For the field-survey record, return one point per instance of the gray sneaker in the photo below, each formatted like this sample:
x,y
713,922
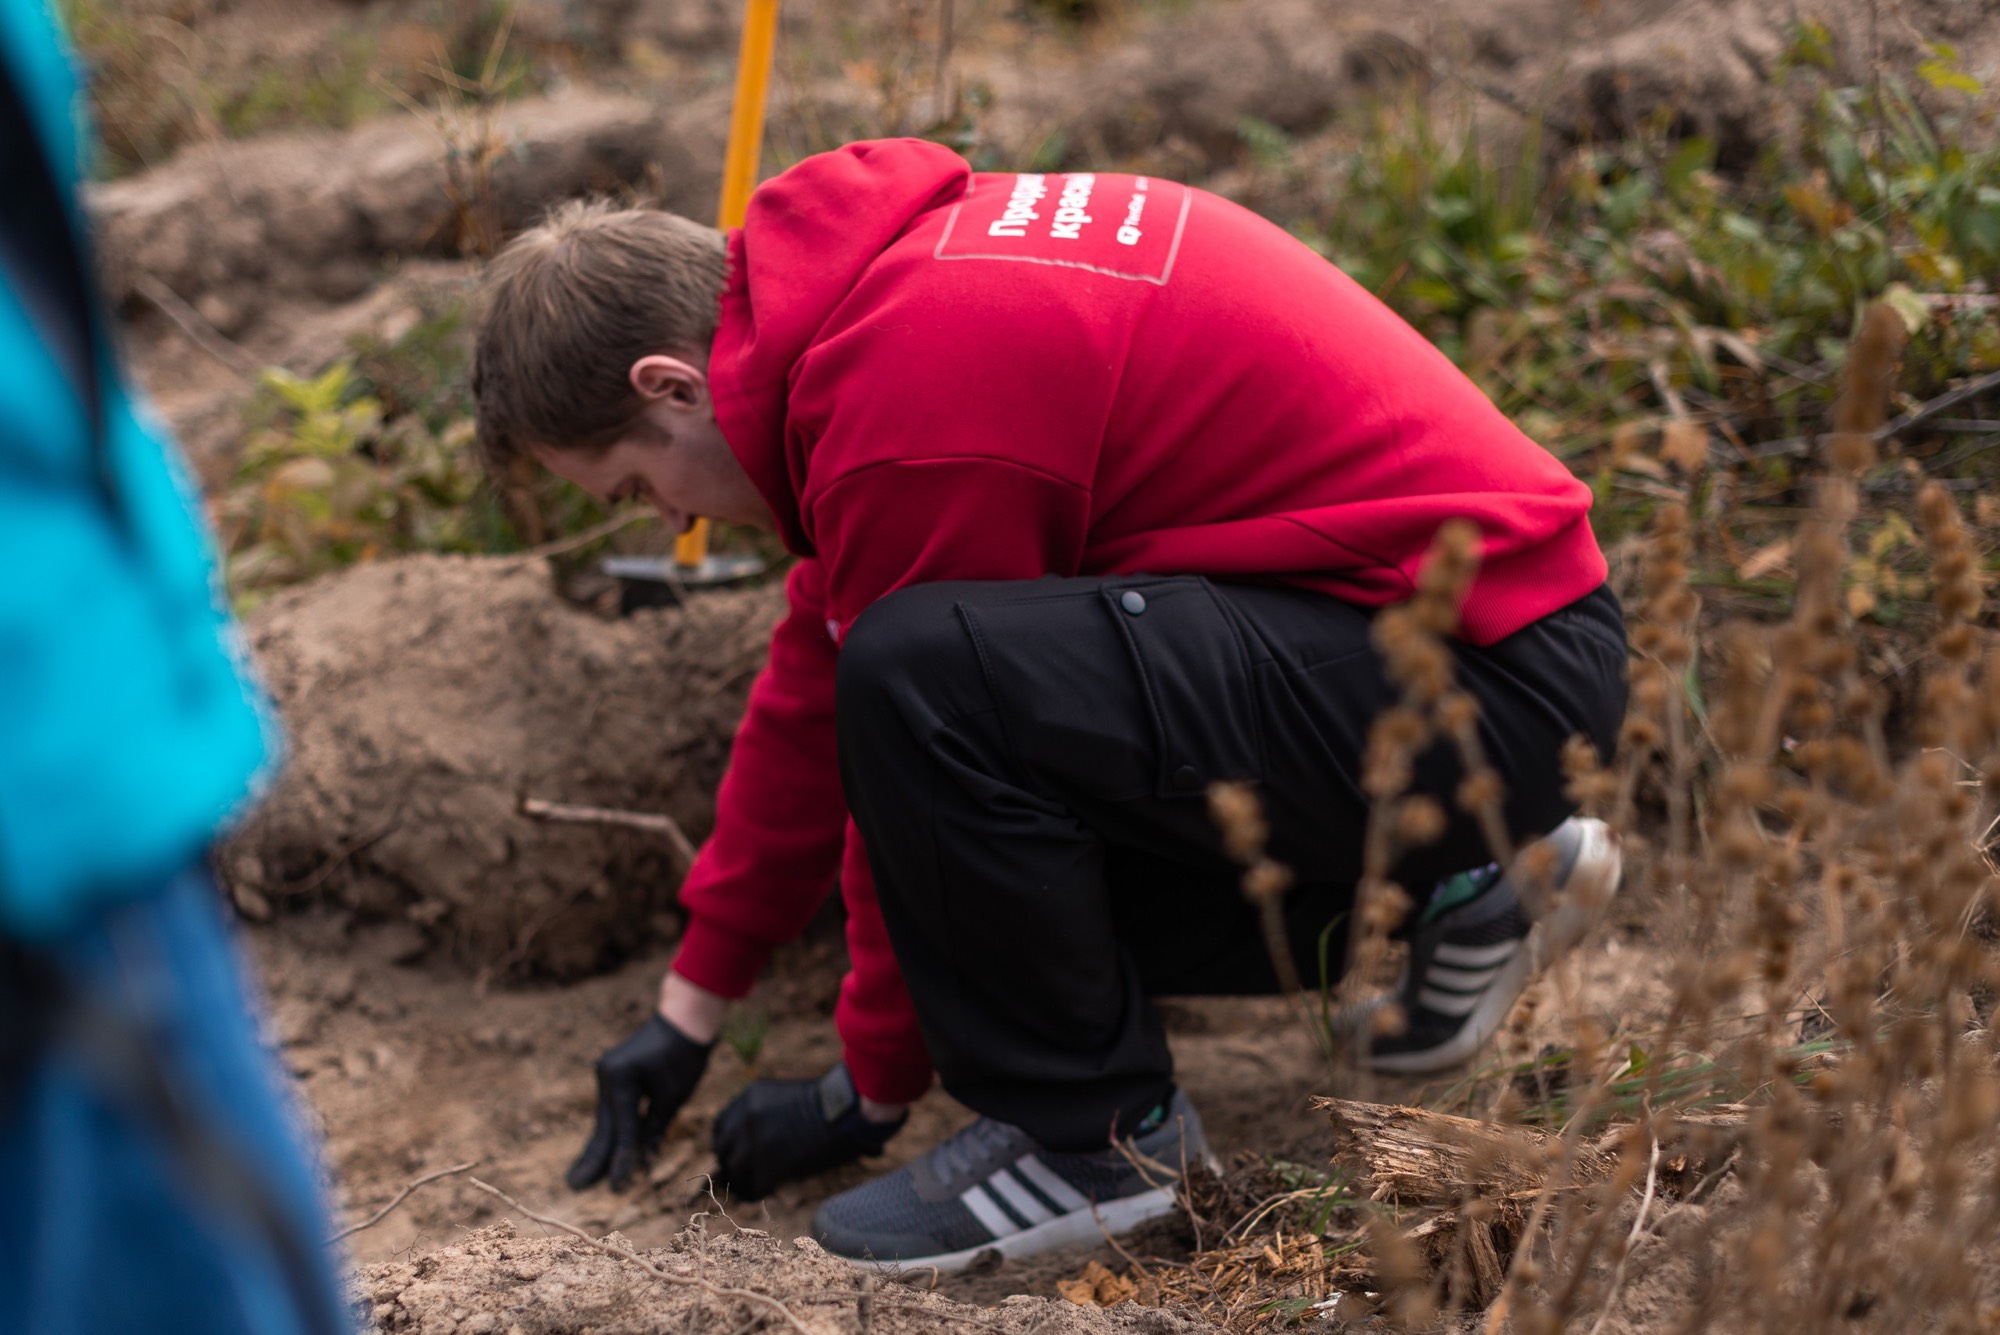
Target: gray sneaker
x,y
992,1189
1479,945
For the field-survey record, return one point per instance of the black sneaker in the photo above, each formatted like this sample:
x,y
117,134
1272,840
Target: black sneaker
x,y
1477,948
991,1188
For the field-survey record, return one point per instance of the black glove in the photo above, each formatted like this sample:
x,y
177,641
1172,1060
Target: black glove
x,y
777,1131
660,1065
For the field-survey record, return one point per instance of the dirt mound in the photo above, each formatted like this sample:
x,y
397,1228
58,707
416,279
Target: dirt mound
x,y
496,1280
236,228
230,226
1186,92
1192,83
425,697
1713,67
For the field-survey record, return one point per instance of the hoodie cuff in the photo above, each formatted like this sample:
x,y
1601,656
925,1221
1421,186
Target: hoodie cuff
x,y
887,1077
723,961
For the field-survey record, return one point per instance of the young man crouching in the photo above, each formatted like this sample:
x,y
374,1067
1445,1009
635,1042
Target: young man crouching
x,y
1096,482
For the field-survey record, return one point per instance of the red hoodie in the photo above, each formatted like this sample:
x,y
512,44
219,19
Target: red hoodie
x,y
933,374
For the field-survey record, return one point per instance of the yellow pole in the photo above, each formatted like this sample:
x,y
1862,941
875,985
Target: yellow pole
x,y
739,172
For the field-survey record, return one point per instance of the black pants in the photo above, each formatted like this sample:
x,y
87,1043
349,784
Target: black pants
x,y
1028,764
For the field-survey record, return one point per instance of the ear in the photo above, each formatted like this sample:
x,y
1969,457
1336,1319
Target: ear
x,y
659,376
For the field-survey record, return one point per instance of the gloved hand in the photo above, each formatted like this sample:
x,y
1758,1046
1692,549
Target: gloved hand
x,y
777,1131
658,1065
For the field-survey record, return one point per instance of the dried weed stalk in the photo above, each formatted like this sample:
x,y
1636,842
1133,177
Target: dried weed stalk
x,y
1804,1135
1413,639
1240,816
463,119
1837,881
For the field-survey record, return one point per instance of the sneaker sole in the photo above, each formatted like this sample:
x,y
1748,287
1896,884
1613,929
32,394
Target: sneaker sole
x,y
1594,880
1112,1217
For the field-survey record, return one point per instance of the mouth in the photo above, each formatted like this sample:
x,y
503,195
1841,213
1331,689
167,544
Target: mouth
x,y
637,489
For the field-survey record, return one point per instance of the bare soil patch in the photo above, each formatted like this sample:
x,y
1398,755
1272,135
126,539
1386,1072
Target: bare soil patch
x,y
425,698
410,1067
505,1279
243,228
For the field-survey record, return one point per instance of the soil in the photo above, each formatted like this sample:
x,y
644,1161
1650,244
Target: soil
x,y
409,1070
408,1067
424,698
443,970
500,1279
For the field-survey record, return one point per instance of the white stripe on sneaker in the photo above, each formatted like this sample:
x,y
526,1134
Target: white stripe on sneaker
x,y
1460,980
1475,957
988,1212
1065,1230
1448,1003
1026,1203
1065,1197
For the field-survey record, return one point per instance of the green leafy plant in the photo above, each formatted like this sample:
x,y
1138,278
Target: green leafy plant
x,y
329,481
1610,295
371,457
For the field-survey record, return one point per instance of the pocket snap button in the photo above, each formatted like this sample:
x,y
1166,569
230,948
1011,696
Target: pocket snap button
x,y
1132,601
1186,779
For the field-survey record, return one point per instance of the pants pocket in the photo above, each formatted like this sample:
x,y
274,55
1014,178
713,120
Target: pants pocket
x,y
1194,670
1071,709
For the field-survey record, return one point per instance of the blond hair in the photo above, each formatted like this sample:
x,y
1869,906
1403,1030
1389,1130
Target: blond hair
x,y
569,306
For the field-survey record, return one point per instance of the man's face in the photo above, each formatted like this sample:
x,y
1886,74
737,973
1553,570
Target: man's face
x,y
677,475
674,456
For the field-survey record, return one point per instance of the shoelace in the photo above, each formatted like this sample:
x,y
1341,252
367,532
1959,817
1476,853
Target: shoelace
x,y
979,1143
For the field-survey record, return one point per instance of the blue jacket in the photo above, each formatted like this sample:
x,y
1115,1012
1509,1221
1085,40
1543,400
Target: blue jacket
x,y
128,730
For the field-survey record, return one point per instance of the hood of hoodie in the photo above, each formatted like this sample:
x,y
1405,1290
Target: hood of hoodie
x,y
810,234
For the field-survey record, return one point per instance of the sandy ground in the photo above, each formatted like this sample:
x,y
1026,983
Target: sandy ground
x,y
410,1069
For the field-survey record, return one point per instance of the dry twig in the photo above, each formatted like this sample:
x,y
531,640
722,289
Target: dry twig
x,y
1943,403
191,322
564,546
1631,1240
1417,1159
402,1196
654,822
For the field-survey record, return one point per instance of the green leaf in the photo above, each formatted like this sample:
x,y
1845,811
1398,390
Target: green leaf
x,y
1696,154
1289,1308
1691,685
1811,46
1943,72
1914,310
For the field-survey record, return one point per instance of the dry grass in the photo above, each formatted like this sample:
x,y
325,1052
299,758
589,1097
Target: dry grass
x,y
1804,1138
